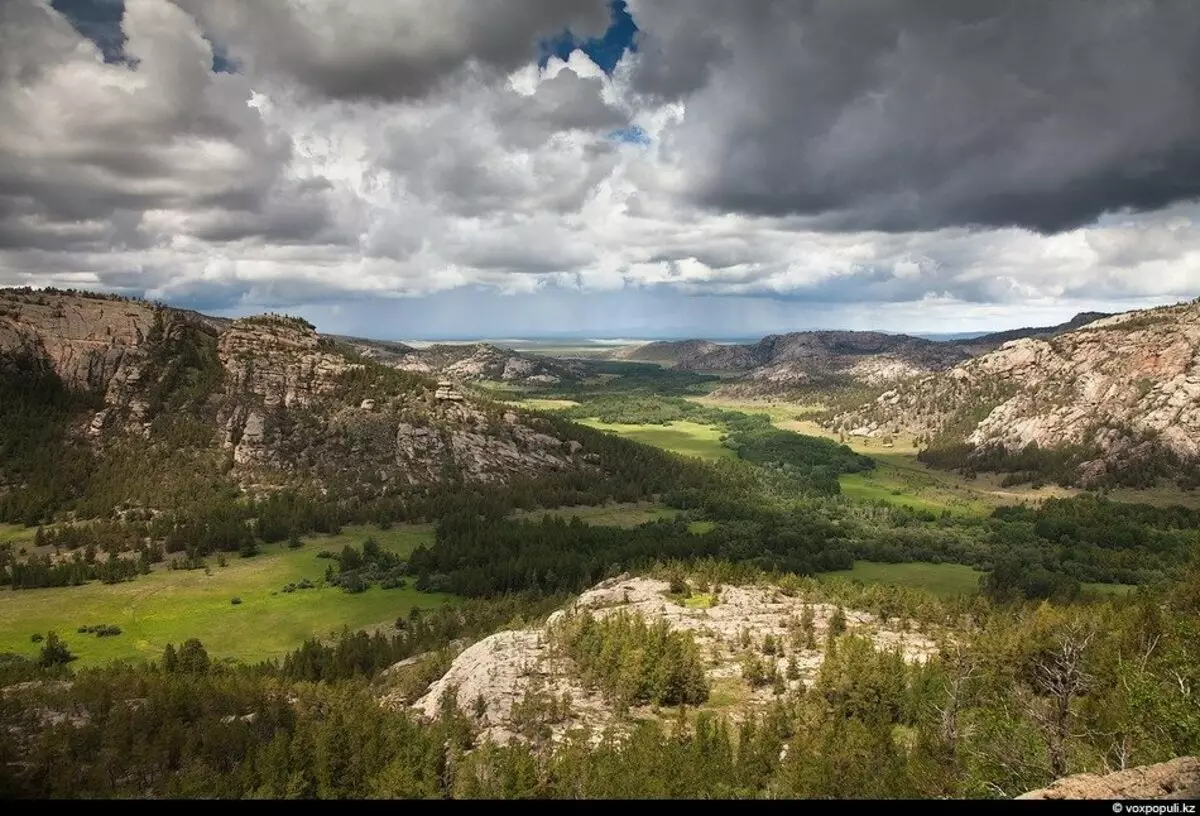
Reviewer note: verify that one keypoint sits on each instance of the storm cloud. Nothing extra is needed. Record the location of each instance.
(758, 164)
(918, 114)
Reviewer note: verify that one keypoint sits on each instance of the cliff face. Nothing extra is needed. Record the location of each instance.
(1121, 386)
(94, 345)
(285, 404)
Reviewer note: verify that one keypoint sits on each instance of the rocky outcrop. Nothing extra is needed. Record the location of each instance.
(479, 362)
(281, 360)
(500, 671)
(96, 345)
(1177, 779)
(780, 363)
(1124, 386)
(286, 404)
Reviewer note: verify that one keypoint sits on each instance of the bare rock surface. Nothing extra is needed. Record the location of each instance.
(499, 671)
(1177, 779)
(1123, 386)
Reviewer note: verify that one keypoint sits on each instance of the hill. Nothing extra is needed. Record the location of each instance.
(483, 362)
(987, 342)
(799, 360)
(1116, 401)
(112, 402)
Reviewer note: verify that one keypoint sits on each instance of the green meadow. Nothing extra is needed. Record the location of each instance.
(606, 515)
(682, 437)
(939, 579)
(534, 404)
(169, 606)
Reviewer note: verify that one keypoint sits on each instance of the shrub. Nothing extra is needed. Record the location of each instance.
(235, 600)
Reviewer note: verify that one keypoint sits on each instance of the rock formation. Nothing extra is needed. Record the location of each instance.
(1124, 387)
(1177, 779)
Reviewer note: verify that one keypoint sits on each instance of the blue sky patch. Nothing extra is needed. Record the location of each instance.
(605, 51)
(100, 22)
(630, 135)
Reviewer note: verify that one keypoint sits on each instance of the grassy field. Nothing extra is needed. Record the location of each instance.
(683, 437)
(543, 404)
(940, 579)
(173, 605)
(1107, 589)
(17, 534)
(901, 480)
(607, 515)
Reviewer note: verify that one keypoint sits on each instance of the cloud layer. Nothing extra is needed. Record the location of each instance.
(798, 161)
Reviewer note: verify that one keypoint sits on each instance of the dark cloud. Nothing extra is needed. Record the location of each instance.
(89, 144)
(917, 114)
(389, 50)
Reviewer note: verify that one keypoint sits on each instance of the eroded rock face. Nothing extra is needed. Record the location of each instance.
(501, 669)
(94, 345)
(1118, 383)
(286, 404)
(279, 361)
(1177, 779)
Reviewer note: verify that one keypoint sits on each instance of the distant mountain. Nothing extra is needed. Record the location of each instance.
(478, 362)
(665, 352)
(1114, 401)
(783, 362)
(996, 339)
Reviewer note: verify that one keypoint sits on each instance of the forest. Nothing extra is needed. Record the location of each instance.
(1024, 693)
(1035, 677)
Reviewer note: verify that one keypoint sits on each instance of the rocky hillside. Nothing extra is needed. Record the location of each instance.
(784, 362)
(1177, 779)
(479, 362)
(266, 400)
(1118, 399)
(666, 352)
(501, 676)
(987, 342)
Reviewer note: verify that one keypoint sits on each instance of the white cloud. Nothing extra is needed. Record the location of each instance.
(272, 187)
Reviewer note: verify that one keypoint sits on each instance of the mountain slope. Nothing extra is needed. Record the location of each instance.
(1117, 401)
(994, 340)
(478, 362)
(108, 401)
(783, 362)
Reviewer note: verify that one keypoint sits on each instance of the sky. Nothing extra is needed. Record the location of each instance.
(649, 168)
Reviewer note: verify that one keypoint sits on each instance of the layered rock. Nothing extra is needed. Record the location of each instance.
(1121, 384)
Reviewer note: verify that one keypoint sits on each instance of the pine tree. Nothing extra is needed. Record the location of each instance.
(170, 659)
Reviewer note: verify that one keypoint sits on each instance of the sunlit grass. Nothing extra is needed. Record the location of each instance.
(169, 606)
(682, 437)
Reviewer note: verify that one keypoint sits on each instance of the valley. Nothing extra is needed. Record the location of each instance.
(489, 549)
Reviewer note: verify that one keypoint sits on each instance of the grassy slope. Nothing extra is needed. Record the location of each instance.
(926, 488)
(17, 535)
(173, 605)
(543, 404)
(687, 438)
(940, 579)
(608, 515)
